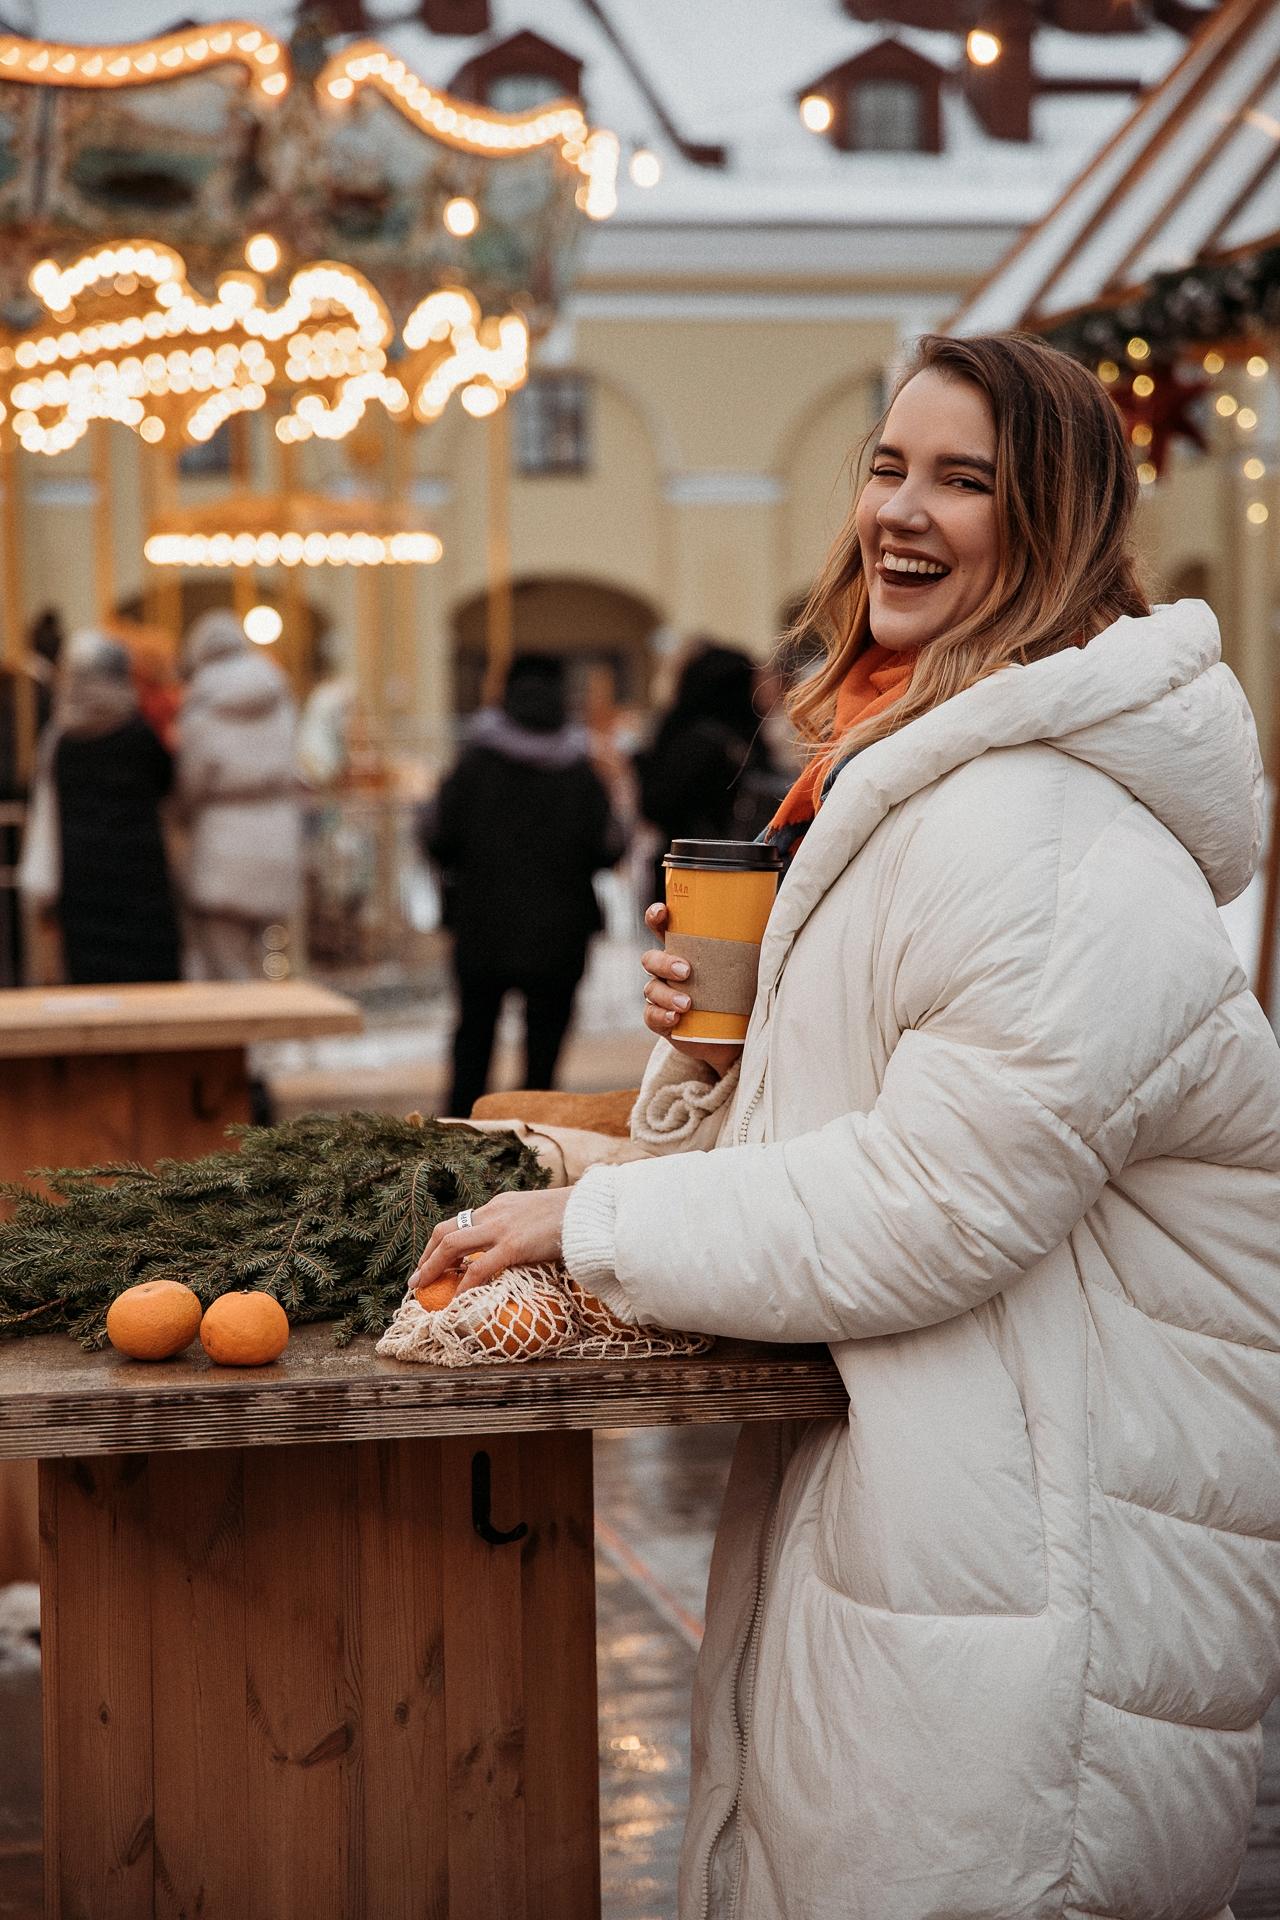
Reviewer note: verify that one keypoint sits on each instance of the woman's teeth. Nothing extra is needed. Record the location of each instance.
(929, 569)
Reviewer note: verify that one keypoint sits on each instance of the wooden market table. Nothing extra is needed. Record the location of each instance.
(131, 1073)
(319, 1638)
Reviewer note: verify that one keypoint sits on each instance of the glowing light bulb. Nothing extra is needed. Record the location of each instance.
(1142, 435)
(817, 112)
(983, 47)
(1146, 473)
(1257, 366)
(1108, 372)
(461, 216)
(480, 401)
(263, 625)
(1256, 513)
(263, 253)
(1246, 419)
(1254, 469)
(1138, 348)
(645, 168)
(1226, 404)
(1144, 386)
(1213, 362)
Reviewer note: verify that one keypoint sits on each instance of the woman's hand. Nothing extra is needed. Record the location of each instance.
(512, 1230)
(665, 999)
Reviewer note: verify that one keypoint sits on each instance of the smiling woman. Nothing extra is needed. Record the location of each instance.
(992, 527)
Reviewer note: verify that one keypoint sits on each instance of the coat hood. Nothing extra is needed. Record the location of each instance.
(1149, 702)
(242, 685)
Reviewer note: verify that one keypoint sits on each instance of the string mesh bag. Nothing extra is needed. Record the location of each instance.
(523, 1314)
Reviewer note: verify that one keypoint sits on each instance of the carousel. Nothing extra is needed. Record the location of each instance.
(214, 232)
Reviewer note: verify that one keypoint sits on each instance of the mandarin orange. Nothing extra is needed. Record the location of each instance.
(520, 1328)
(153, 1320)
(439, 1293)
(247, 1329)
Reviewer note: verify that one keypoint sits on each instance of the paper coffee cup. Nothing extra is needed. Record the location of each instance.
(719, 896)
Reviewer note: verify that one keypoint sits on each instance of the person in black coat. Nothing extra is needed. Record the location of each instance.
(709, 774)
(518, 829)
(106, 774)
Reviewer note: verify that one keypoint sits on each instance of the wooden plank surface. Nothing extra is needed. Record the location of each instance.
(298, 1684)
(96, 1645)
(56, 1400)
(167, 1018)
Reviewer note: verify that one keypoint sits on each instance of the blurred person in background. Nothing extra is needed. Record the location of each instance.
(93, 852)
(709, 774)
(518, 829)
(238, 796)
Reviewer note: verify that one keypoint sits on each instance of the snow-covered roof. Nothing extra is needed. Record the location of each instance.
(1192, 175)
(728, 72)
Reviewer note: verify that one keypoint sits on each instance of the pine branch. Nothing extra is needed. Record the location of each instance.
(328, 1213)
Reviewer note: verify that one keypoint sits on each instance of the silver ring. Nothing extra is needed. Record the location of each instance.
(464, 1220)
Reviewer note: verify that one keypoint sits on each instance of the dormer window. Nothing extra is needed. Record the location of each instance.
(886, 116)
(886, 100)
(519, 73)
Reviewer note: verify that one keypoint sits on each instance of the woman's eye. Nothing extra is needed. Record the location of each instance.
(971, 486)
(885, 473)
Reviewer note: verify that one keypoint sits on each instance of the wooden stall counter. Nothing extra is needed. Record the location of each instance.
(131, 1073)
(319, 1638)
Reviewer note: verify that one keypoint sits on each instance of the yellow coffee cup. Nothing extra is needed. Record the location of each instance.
(719, 897)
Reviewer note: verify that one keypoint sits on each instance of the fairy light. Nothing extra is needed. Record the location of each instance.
(816, 112)
(1257, 366)
(461, 216)
(1108, 372)
(983, 47)
(1138, 348)
(1147, 473)
(645, 168)
(263, 625)
(1144, 386)
(1226, 404)
(1256, 513)
(1142, 434)
(1254, 469)
(480, 399)
(597, 197)
(262, 252)
(1213, 362)
(264, 58)
(1246, 419)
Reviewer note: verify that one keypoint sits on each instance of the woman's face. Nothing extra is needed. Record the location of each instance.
(926, 518)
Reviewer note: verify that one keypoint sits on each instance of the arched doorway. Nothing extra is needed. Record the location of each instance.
(602, 633)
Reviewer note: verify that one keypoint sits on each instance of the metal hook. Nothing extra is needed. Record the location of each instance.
(481, 1494)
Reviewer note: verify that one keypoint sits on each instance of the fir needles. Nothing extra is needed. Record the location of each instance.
(328, 1213)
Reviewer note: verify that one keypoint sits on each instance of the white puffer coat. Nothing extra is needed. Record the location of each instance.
(236, 777)
(1008, 1137)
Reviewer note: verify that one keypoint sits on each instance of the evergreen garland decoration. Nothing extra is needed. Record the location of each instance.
(329, 1213)
(1205, 304)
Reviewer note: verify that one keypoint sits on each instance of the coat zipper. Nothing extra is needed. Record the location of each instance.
(749, 1113)
(744, 1676)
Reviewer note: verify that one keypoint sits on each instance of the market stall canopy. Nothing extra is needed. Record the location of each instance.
(1167, 228)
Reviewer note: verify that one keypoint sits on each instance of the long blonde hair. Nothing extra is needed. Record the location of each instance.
(1065, 492)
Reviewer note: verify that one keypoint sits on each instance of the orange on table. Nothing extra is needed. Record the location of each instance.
(153, 1320)
(244, 1329)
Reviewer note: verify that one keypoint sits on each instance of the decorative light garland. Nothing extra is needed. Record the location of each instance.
(297, 530)
(459, 352)
(473, 129)
(190, 364)
(137, 63)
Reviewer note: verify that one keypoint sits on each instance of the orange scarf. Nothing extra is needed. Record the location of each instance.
(877, 678)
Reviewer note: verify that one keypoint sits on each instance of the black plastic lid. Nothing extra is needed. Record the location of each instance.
(726, 856)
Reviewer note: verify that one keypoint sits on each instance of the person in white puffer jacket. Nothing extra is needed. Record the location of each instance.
(1006, 1134)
